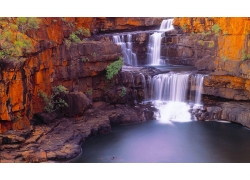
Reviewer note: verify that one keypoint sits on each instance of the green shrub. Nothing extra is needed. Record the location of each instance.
(14, 40)
(52, 103)
(245, 56)
(184, 27)
(83, 31)
(211, 44)
(25, 23)
(216, 28)
(90, 91)
(114, 68)
(74, 38)
(123, 92)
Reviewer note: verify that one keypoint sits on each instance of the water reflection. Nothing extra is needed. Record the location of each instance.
(151, 141)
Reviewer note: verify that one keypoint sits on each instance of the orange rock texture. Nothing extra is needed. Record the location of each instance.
(78, 66)
(229, 37)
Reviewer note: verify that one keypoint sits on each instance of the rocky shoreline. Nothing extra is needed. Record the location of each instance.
(60, 140)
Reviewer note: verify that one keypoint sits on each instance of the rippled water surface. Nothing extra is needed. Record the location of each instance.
(155, 142)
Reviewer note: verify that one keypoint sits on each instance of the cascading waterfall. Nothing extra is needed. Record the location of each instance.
(154, 47)
(129, 57)
(144, 85)
(169, 94)
(133, 81)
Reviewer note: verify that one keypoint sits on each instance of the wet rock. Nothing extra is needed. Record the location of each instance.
(233, 111)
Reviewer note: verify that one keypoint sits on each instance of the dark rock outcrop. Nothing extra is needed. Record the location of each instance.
(60, 140)
(238, 112)
(77, 104)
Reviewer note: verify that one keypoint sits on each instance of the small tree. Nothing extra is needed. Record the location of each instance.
(114, 68)
(53, 102)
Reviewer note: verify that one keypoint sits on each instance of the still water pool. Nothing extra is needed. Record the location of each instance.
(154, 142)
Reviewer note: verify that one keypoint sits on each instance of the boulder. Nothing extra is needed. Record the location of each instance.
(77, 104)
(46, 118)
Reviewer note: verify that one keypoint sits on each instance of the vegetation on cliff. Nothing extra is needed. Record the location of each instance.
(114, 68)
(53, 102)
(14, 39)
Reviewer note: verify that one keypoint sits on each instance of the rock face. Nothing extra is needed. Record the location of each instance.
(219, 45)
(238, 112)
(77, 66)
(61, 140)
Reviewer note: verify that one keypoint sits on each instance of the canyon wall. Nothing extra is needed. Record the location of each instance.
(78, 66)
(220, 46)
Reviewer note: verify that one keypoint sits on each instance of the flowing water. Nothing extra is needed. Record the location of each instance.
(169, 96)
(175, 136)
(154, 47)
(129, 57)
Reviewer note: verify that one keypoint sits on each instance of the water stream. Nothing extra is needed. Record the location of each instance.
(154, 46)
(168, 139)
(129, 57)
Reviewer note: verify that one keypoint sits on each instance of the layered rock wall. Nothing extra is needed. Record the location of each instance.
(78, 66)
(223, 49)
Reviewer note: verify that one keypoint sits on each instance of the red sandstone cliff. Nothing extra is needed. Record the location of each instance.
(80, 66)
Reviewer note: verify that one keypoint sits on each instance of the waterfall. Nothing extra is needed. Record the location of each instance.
(169, 95)
(199, 84)
(144, 86)
(154, 47)
(129, 57)
(133, 81)
(170, 87)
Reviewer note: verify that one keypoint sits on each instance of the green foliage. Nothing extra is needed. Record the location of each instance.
(201, 42)
(216, 28)
(245, 56)
(123, 92)
(74, 38)
(14, 40)
(114, 68)
(83, 31)
(204, 34)
(54, 20)
(25, 23)
(224, 58)
(211, 44)
(90, 91)
(52, 103)
(184, 27)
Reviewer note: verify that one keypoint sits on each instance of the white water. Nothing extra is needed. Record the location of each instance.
(169, 94)
(144, 86)
(129, 57)
(154, 47)
(199, 85)
(170, 87)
